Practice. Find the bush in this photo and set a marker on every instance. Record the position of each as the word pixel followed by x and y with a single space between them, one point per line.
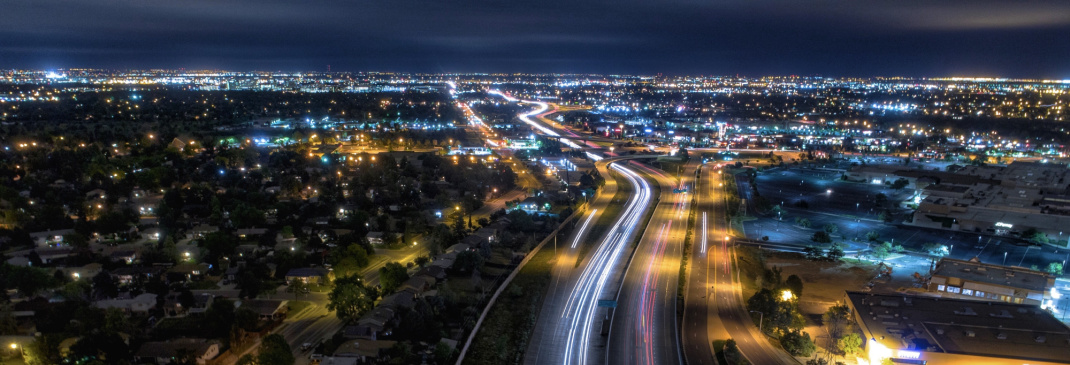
pixel 798 343
pixel 821 237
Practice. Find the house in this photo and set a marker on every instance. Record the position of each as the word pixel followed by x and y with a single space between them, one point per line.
pixel 127 256
pixel 359 331
pixel 418 284
pixel 250 232
pixel 201 303
pixel 50 255
pixel 19 261
pixel 166 352
pixel 267 309
pixel 87 272
pixel 401 299
pixel 128 275
pixel 490 235
pixel 375 238
pixel 177 144
pixel 247 250
pixel 377 320
pixel 187 272
pixel 434 271
pixel 141 303
pixel 202 230
pixel 365 350
pixel 50 237
pixel 307 275
pixel 473 241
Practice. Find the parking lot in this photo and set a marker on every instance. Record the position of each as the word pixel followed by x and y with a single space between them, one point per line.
pixel 852 208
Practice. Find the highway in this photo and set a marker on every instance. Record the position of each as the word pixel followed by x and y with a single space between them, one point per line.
pixel 570 315
pixel 644 328
pixel 697 325
pixel 727 314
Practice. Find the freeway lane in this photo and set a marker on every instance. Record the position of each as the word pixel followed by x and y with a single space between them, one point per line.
pixel 582 307
pixel 698 326
pixel 551 329
pixel 726 302
pixel 644 328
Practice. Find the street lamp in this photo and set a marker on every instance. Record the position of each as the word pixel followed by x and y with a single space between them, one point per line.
pixel 761 319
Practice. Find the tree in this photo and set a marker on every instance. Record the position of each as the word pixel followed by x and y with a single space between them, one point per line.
pixel 109 347
pixel 900 183
pixel 28 280
pixel 1055 268
pixel 391 276
pixel 831 228
pixel 851 344
pixel 443 353
pixel 350 298
pixel 872 236
pixel 835 252
pixel 798 343
pixel 935 249
pixel 812 252
pixel 104 285
pixel 274 350
pixel 802 222
pixel 186 299
pixel 1034 235
pixel 731 353
pixel 880 199
pixel 76 240
pixel 837 321
pixel 795 284
pixel 468 261
pixel 349 260
pixel 821 237
pixel 885 249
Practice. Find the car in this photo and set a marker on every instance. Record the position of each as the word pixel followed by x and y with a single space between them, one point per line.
pixel 306 346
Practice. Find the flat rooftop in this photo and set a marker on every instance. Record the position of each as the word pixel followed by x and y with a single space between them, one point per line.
pixel 978 272
pixel 954 326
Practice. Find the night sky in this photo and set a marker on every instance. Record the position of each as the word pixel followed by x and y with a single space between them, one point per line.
pixel 711 37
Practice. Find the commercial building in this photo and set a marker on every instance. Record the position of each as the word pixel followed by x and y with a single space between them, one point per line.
pixel 1024 199
pixel 922 330
pixel 979 281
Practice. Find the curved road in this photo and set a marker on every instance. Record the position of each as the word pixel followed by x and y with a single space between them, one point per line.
pixel 644 329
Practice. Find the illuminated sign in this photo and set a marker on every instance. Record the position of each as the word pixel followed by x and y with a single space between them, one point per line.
pixel 904 354
pixel 1004 225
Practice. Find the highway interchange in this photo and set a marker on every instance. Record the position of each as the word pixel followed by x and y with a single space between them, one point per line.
pixel 617 303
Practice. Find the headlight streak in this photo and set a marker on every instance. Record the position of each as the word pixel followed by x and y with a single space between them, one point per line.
pixel 645 327
pixel 543 107
pixel 592 280
pixel 704 231
pixel 583 228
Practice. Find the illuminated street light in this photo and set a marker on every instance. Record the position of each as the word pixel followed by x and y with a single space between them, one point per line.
pixel 786 295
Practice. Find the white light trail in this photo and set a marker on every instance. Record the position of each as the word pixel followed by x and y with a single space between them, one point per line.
pixel 596 274
pixel 583 228
pixel 704 231
pixel 543 107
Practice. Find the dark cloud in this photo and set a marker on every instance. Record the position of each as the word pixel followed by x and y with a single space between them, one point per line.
pixel 754 37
